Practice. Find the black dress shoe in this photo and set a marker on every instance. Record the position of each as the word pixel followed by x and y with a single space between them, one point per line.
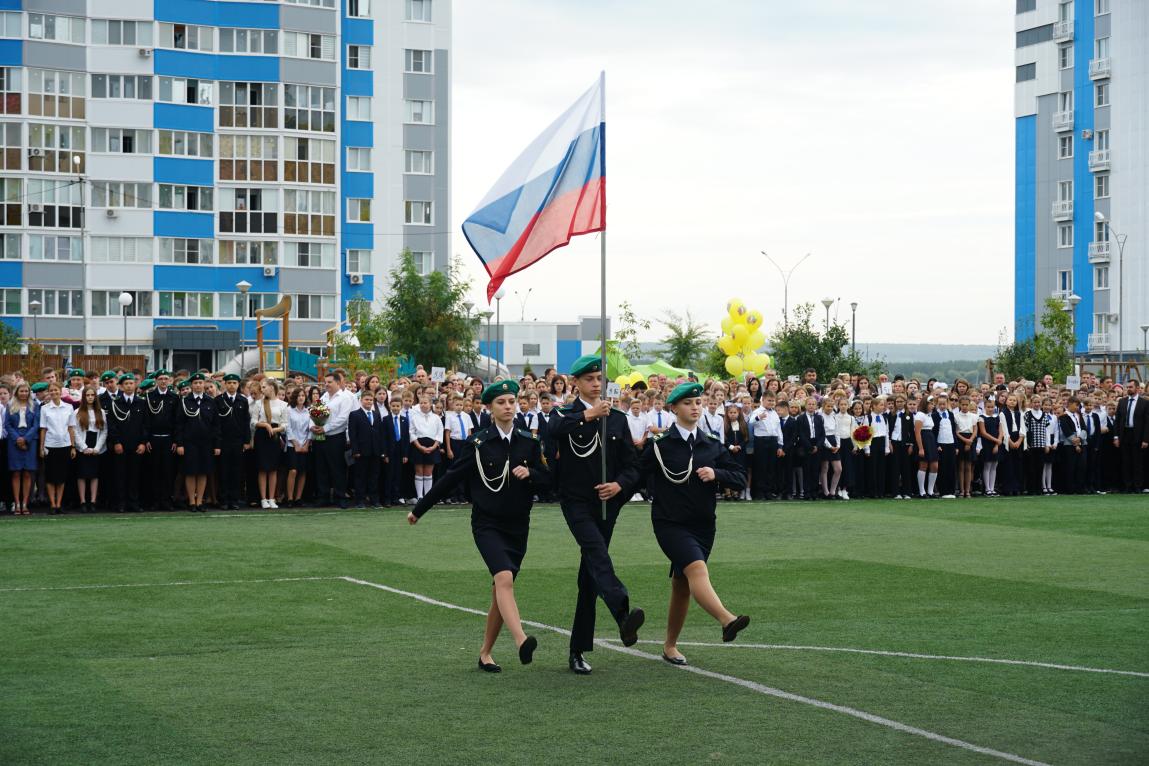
pixel 628 630
pixel 490 667
pixel 680 661
pixel 527 650
pixel 731 630
pixel 579 665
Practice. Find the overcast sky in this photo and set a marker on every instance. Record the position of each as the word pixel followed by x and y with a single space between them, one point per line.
pixel 876 135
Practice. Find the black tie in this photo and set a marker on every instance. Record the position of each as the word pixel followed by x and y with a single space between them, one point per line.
pixel 690 441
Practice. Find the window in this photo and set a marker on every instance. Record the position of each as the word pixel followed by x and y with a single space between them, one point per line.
pixel 417 61
pixel 1065 191
pixel 1026 72
pixel 182 143
pixel 1101 48
pixel 420 112
pixel 121 194
pixel 358 56
pixel 11 200
pixel 1100 7
pixel 181 304
pixel 60 29
pixel 1101 94
pixel 1065 235
pixel 1065 281
pixel 307 45
pixel 313 307
pixel 1101 140
pixel 181 197
pixel 243 253
pixel 358 210
pixel 11 146
pixel 309 107
pixel 1065 101
pixel 11 87
pixel 419 162
pixel 182 90
pixel 1065 56
pixel 56 94
pixel 187 37
pixel 308 160
pixel 309 212
pixel 121 141
pixel 248 210
pixel 1100 231
pixel 1065 147
pixel 186 250
pixel 54 204
pixel 248 158
pixel 417 213
pixel 309 255
pixel 1065 10
pixel 53 247
pixel 55 148
pixel 122 86
pixel 1034 36
pixel 248 105
pixel 117 32
pixel 121 250
pixel 1100 277
pixel 11 303
pixel 1100 323
pixel 313 3
pixel 10 24
pixel 358 159
pixel 231 305
pixel 58 303
pixel 358 261
pixel 264 41
pixel 420 10
pixel 360 9
pixel 106 303
pixel 424 262
pixel 1101 186
pixel 10 247
pixel 359 108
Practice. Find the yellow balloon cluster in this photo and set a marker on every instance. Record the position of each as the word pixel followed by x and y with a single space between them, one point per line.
pixel 629 380
pixel 741 338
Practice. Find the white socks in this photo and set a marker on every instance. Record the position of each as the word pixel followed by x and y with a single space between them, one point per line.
pixel 932 481
pixel 1047 476
pixel 989 476
pixel 422 484
pixel 921 483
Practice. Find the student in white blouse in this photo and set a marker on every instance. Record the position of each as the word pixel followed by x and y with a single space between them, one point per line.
pixel 268 422
pixel 298 445
pixel 426 438
pixel 91 442
pixel 57 435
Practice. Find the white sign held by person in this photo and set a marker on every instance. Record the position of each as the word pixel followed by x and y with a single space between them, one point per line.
pixel 613 391
pixel 438 374
pixel 1073 382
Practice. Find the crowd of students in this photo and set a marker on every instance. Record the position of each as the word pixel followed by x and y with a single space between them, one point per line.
pixel 78 440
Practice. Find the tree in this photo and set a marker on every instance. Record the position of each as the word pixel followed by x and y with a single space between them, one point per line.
pixel 360 348
pixel 800 345
pixel 9 339
pixel 424 318
pixel 626 335
pixel 1050 350
pixel 686 341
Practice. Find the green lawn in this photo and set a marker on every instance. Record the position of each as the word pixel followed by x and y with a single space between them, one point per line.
pixel 318 671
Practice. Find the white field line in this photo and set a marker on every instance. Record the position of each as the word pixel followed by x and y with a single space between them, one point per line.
pixel 910 655
pixel 751 685
pixel 165 584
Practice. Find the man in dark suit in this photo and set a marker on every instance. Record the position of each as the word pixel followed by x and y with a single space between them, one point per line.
pixel 1132 437
pixel 366 439
pixel 234 438
pixel 128 435
pixel 396 449
pixel 811 435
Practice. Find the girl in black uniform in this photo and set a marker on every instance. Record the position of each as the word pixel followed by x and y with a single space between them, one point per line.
pixel 504 469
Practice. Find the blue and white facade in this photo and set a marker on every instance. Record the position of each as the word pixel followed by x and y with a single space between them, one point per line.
pixel 1082 168
pixel 174 148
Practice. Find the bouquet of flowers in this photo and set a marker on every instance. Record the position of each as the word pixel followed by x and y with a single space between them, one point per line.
pixel 319 413
pixel 862 436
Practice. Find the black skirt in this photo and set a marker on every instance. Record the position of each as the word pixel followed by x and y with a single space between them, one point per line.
pixel 56 465
pixel 683 544
pixel 87 466
pixel 929 447
pixel 198 459
pixel 418 457
pixel 501 546
pixel 268 450
pixel 295 461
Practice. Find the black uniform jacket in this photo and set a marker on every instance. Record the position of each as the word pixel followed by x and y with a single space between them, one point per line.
pixel 234 419
pixel 197 422
pixel 693 501
pixel 127 423
pixel 576 476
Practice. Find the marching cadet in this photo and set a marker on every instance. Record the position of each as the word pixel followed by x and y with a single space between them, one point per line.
pixel 163 403
pixel 234 439
pixel 681 465
pixel 197 440
pixel 591 503
pixel 503 466
pixel 127 432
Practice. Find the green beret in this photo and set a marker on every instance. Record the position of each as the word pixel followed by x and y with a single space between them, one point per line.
pixel 182 385
pixel 108 375
pixel 38 387
pixel 76 373
pixel 495 390
pixel 127 376
pixel 231 376
pixel 158 373
pixel 196 376
pixel 146 384
pixel 586 363
pixel 684 391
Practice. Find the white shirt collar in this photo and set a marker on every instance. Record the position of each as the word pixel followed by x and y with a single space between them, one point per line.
pixel 587 404
pixel 505 435
pixel 685 434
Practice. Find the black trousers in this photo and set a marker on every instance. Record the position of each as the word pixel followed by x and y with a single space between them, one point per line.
pixel 462 492
pixel 765 464
pixel 876 468
pixel 366 478
pixel 163 471
pixel 811 468
pixel 230 471
pixel 1093 480
pixel 947 469
pixel 392 478
pixel 331 469
pixel 1072 469
pixel 596 576
pixel 1132 465
pixel 1012 480
pixel 128 478
pixel 903 477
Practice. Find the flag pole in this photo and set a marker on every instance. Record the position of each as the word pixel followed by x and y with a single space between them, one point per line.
pixel 602 269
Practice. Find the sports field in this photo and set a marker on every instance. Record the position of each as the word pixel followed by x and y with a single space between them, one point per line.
pixel 303 638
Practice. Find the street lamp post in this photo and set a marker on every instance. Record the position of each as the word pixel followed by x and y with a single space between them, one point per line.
pixel 34 309
pixel 523 303
pixel 827 302
pixel 243 286
pixel 1071 302
pixel 487 315
pixel 786 284
pixel 1144 338
pixel 854 327
pixel 499 294
pixel 125 300
pixel 1100 218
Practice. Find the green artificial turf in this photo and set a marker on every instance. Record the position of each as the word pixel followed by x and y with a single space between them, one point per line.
pixel 327 671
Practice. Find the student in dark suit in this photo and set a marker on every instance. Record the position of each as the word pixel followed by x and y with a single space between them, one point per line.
pixel 811 433
pixel 366 439
pixel 504 468
pixel 1091 421
pixel 1071 448
pixel 789 464
pixel 234 439
pixel 128 435
pixel 1131 437
pixel 681 465
pixel 396 449
pixel 197 440
pixel 162 404
pixel 591 503
pixel 548 419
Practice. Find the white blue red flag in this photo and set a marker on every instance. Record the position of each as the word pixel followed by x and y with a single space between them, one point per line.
pixel 556 189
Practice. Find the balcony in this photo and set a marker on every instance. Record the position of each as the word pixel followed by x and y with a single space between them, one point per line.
pixel 1063 120
pixel 1063 31
pixel 1099 68
pixel 1099 160
pixel 1098 341
pixel 1099 252
pixel 1063 210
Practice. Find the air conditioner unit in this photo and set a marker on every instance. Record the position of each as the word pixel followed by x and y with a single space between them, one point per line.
pixel 110 213
pixel 145 53
pixel 269 271
pixel 35 207
pixel 35 151
pixel 1086 134
pixel 356 279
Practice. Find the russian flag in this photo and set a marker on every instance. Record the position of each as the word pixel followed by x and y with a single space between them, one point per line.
pixel 556 189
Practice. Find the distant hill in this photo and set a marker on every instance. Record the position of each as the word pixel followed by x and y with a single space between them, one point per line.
pixel 926 352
